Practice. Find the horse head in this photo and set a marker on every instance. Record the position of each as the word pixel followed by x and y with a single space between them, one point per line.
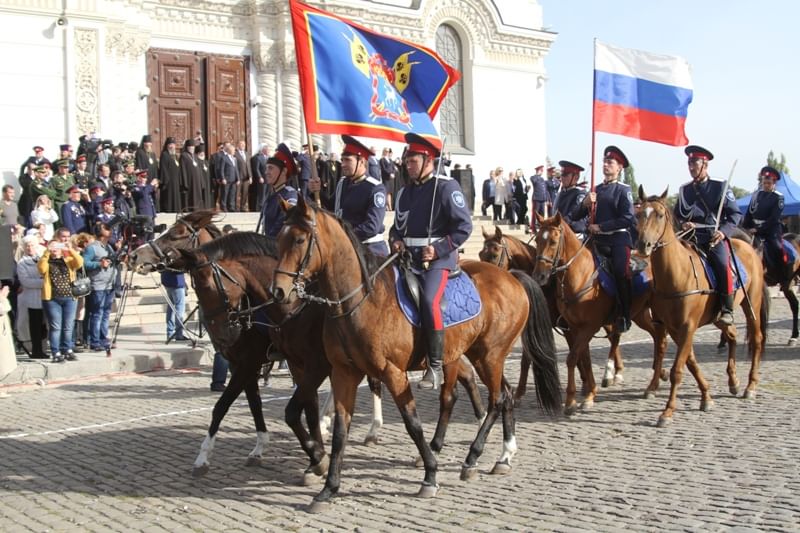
pixel 187 232
pixel 495 249
pixel 297 241
pixel 654 222
pixel 550 246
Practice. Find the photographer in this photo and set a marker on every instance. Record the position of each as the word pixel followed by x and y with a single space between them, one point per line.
pixel 101 266
pixel 58 266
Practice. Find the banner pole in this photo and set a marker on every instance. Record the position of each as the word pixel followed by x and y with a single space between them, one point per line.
pixel 594 95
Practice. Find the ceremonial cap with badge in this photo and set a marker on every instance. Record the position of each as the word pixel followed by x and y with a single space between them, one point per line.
pixel 418 144
pixel 283 158
pixel 770 172
pixel 569 166
pixel 612 152
pixel 353 146
pixel 698 152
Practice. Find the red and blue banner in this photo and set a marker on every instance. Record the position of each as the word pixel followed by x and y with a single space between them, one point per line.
pixel 642 95
pixel 359 82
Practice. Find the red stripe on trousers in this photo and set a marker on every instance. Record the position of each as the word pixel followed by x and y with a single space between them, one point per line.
pixel 438 323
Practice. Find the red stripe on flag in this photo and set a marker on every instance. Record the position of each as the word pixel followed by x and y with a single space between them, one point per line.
pixel 640 124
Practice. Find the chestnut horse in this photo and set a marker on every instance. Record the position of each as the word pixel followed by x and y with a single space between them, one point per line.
pixel 584 305
pixel 683 300
pixel 365 332
pixel 785 280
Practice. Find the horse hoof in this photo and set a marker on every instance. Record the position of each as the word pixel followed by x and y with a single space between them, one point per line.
pixel 310 478
pixel 792 341
pixel 501 469
pixel 734 389
pixel 253 460
pixel 605 383
pixel 649 394
pixel 664 374
pixel 571 409
pixel 418 462
pixel 706 405
pixel 587 405
pixel 371 440
pixel 468 473
pixel 619 379
pixel 200 471
pixel 749 394
pixel 318 507
pixel 517 401
pixel 428 491
pixel 664 421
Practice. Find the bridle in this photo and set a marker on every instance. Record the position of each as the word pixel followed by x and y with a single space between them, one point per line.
pixel 299 278
pixel 164 259
pixel 236 318
pixel 504 253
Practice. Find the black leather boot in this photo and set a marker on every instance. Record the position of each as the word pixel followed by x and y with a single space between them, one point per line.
pixel 433 375
pixel 726 309
pixel 624 291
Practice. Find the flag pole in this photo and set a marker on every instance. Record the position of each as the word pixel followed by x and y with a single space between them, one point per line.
pixel 314 175
pixel 594 95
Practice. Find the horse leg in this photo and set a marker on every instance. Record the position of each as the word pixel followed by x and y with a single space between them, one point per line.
pixel 614 365
pixel 254 402
pixel 522 384
pixel 570 405
pixel 447 399
pixel 470 467
pixel 793 305
pixel 305 400
pixel 466 376
pixel 659 334
pixel 706 402
pixel 729 333
pixel 503 464
pixel 585 355
pixel 326 412
pixel 377 412
pixel 344 384
pixel 231 392
pixel 756 324
pixel 683 338
pixel 723 342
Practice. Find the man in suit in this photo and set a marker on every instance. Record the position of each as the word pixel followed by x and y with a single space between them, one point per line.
pixel 258 171
pixel 245 176
pixel 227 175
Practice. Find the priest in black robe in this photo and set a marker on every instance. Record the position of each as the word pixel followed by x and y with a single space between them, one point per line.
pixel 191 194
pixel 169 177
pixel 206 200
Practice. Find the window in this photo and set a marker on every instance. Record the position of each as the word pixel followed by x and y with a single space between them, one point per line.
pixel 451 112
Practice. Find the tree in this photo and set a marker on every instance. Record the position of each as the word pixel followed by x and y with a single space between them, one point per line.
pixel 629 178
pixel 738 192
pixel 777 164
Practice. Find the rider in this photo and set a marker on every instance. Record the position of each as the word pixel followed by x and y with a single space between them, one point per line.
pixel 763 218
pixel 569 200
pixel 696 208
pixel 611 227
pixel 280 168
pixel 360 199
pixel 431 221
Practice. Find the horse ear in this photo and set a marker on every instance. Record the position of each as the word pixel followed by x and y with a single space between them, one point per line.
pixel 642 195
pixel 665 193
pixel 557 219
pixel 539 217
pixel 498 232
pixel 285 206
pixel 486 235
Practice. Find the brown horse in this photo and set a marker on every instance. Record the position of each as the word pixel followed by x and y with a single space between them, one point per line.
pixel 507 252
pixel 683 300
pixel 785 280
pixel 584 305
pixel 365 332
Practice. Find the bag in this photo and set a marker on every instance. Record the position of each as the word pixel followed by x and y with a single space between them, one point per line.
pixel 82 285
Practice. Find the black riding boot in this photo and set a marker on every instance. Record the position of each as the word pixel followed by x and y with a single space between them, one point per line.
pixel 726 309
pixel 624 291
pixel 433 375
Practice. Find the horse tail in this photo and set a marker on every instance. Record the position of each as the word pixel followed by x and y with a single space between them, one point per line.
pixel 538 346
pixel 763 313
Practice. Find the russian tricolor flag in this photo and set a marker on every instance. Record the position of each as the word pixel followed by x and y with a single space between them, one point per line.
pixel 640 94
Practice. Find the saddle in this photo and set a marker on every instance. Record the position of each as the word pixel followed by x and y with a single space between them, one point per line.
pixel 710 277
pixel 640 283
pixel 461 300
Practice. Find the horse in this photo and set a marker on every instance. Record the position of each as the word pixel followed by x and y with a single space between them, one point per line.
pixel 507 252
pixel 567 262
pixel 683 300
pixel 785 279
pixel 365 332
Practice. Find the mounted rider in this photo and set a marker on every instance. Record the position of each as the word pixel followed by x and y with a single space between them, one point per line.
pixel 763 219
pixel 359 199
pixel 569 200
pixel 611 229
pixel 431 222
pixel 696 208
pixel 281 167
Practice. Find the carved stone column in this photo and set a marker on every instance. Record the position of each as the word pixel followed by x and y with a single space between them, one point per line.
pixel 292 119
pixel 86 82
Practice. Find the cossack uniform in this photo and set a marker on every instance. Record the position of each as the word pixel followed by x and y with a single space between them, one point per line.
pixel 569 201
pixel 272 214
pixel 764 216
pixel 73 215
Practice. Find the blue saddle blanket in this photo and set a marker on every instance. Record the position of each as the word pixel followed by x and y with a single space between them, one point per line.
pixel 712 279
pixel 462 301
pixel 790 251
pixel 640 282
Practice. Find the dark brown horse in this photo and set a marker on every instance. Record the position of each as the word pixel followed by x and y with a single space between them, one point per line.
pixel 189 231
pixel 784 278
pixel 683 300
pixel 365 332
pixel 584 305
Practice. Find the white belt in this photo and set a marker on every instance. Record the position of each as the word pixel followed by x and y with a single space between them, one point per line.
pixel 758 222
pixel 374 238
pixel 620 230
pixel 420 241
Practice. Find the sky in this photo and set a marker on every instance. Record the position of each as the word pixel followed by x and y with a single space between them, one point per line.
pixel 745 60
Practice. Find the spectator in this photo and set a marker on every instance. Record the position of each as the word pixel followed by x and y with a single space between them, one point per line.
pixel 500 194
pixel 7 360
pixel 9 212
pixel 100 261
pixel 44 214
pixel 58 267
pixel 245 177
pixel 79 243
pixel 175 285
pixel 30 320
pixel 511 208
pixel 227 176
pixel 388 171
pixel 487 194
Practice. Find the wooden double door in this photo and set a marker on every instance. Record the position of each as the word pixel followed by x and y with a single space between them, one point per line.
pixel 197 94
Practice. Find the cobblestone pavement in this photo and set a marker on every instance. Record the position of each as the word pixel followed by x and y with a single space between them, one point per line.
pixel 116 455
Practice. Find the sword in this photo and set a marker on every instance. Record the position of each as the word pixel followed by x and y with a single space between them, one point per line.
pixel 427 264
pixel 724 193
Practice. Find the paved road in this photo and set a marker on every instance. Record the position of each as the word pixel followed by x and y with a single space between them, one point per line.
pixel 116 455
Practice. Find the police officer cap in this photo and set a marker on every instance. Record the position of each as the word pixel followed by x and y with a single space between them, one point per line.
pixel 420 145
pixel 612 152
pixel 73 189
pixel 770 172
pixel 81 159
pixel 353 146
pixel 96 188
pixel 283 158
pixel 140 173
pixel 569 166
pixel 38 148
pixel 108 200
pixel 698 152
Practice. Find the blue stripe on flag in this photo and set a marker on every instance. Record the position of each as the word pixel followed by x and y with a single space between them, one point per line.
pixel 623 90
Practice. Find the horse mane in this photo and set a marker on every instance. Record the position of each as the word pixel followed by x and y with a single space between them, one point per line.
pixel 240 243
pixel 204 218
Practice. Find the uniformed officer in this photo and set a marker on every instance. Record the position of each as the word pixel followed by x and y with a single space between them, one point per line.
pixel 431 221
pixel 73 213
pixel 106 217
pixel 569 201
pixel 81 177
pixel 60 183
pixel 613 221
pixel 763 219
pixel 696 208
pixel 359 199
pixel 281 167
pixel 554 184
pixel 144 195
pixel 539 192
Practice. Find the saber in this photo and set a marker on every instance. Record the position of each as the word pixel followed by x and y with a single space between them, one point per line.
pixel 724 193
pixel 427 264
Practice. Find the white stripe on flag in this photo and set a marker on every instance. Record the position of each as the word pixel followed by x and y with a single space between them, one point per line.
pixel 659 68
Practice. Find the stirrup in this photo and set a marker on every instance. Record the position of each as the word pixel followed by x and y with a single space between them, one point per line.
pixel 432 379
pixel 725 317
pixel 623 324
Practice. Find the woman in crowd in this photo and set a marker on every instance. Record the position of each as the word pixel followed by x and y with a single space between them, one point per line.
pixel 501 195
pixel 58 266
pixel 30 320
pixel 44 214
pixel 80 334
